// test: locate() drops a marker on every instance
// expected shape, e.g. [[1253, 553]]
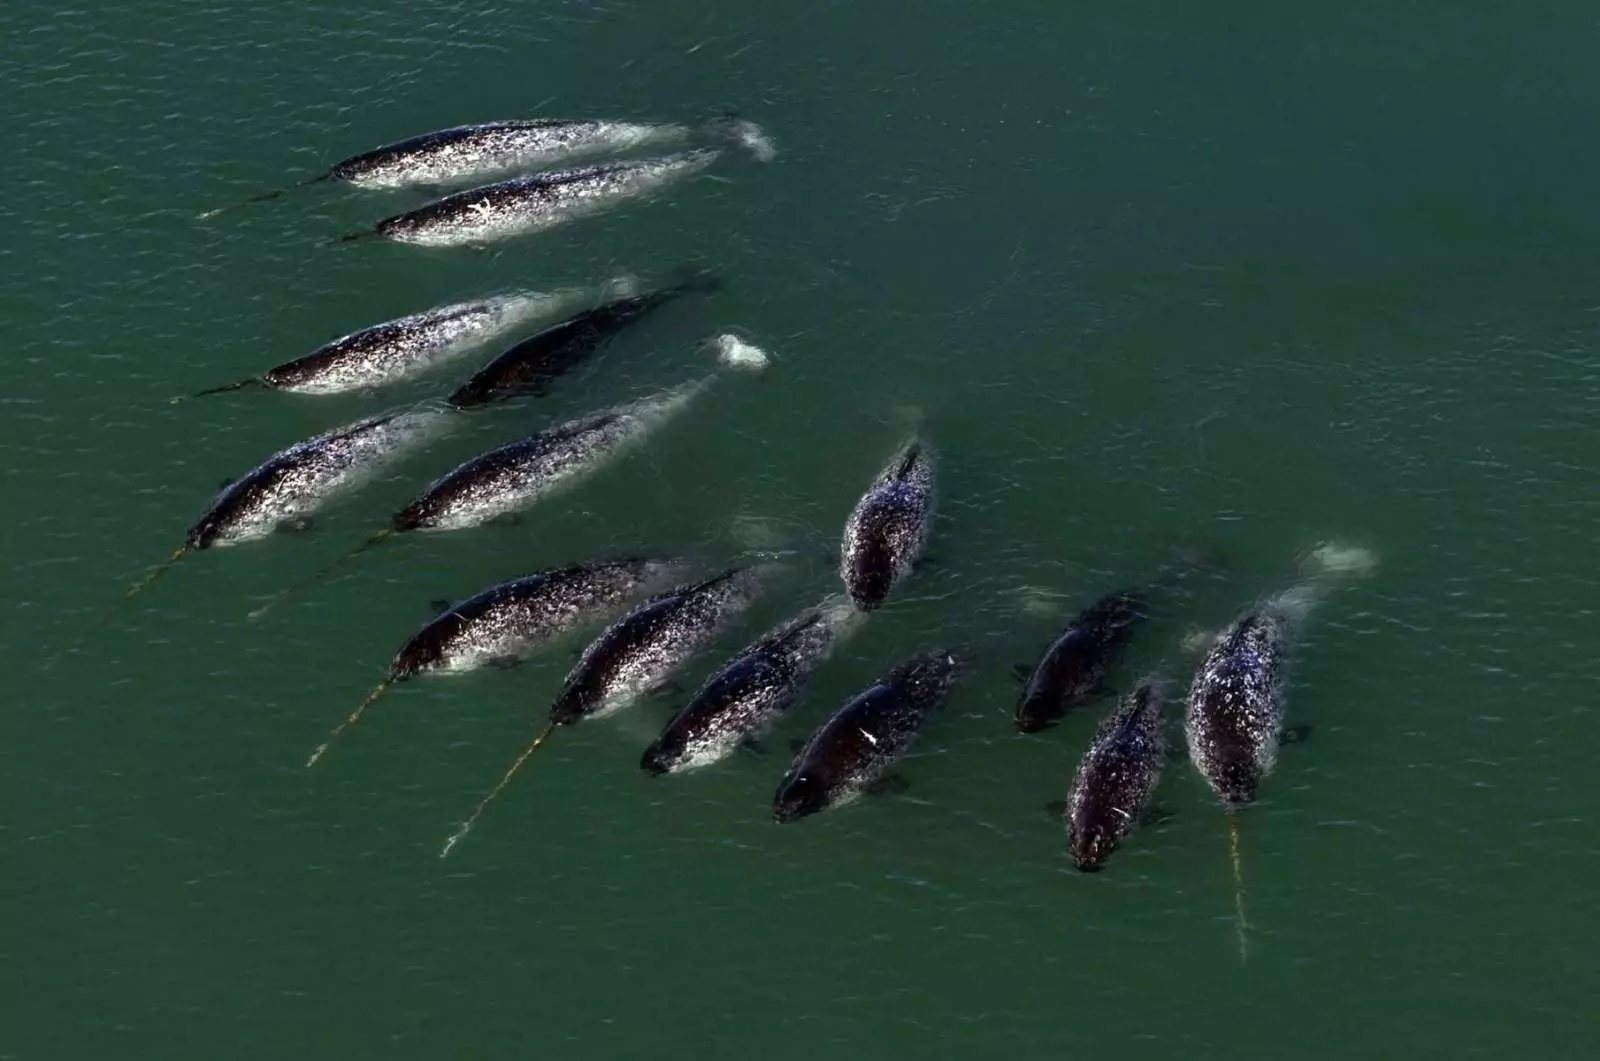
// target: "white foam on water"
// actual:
[[737, 353]]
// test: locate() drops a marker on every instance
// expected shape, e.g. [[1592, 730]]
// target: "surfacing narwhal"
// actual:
[[508, 621], [747, 696], [636, 656], [888, 528], [525, 205], [487, 150], [288, 488], [1233, 719], [410, 346]]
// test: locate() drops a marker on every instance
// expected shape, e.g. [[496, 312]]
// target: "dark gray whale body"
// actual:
[[1073, 667], [855, 749], [530, 366]]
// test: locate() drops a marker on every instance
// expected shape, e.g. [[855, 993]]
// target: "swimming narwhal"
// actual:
[[513, 477], [1233, 719], [409, 346], [853, 752], [286, 489], [529, 366], [1112, 786], [637, 655], [888, 528], [504, 623], [486, 150], [747, 695], [536, 203], [1073, 667], [508, 480]]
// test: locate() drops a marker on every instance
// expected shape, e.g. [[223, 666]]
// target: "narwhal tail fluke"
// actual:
[[472, 819], [1241, 926], [237, 385], [355, 716], [263, 197], [318, 576]]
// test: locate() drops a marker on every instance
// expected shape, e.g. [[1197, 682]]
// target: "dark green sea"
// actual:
[[1148, 274]]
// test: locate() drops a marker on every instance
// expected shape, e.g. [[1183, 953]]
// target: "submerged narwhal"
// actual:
[[637, 655], [508, 621], [853, 752], [888, 528], [747, 695], [410, 346], [486, 150], [532, 364], [1073, 668]]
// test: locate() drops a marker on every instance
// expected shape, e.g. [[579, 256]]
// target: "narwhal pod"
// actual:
[[461, 154], [538, 202]]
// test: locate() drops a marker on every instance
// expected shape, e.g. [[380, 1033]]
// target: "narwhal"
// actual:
[[1233, 719], [506, 622], [288, 488], [1072, 669], [501, 484], [638, 655], [487, 150], [888, 528], [523, 206], [532, 364], [853, 753], [410, 346], [1118, 774], [746, 696]]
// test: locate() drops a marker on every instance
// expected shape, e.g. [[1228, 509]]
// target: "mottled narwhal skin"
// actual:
[[409, 346], [639, 652], [507, 621], [513, 477], [297, 481], [1233, 720], [855, 748], [525, 205], [887, 530], [1234, 716], [1117, 776], [745, 697], [531, 365], [492, 149], [1072, 669]]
